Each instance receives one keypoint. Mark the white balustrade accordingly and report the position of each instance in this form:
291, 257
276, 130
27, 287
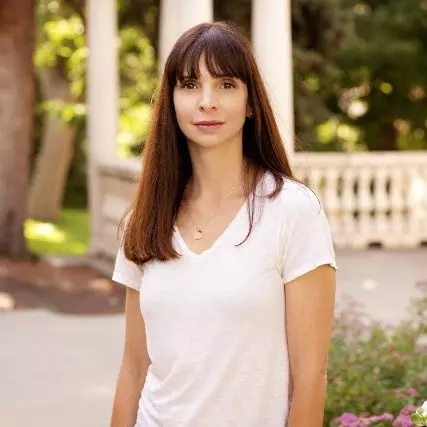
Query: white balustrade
370, 198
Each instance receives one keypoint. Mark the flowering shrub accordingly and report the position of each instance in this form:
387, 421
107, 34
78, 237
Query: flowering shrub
377, 373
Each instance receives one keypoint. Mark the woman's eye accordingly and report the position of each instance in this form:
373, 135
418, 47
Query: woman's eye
229, 85
193, 85
188, 85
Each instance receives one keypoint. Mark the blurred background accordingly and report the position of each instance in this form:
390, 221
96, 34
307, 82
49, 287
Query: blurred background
348, 84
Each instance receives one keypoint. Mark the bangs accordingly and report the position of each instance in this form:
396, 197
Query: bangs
223, 54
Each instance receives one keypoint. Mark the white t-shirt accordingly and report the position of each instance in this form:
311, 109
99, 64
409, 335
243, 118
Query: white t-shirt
215, 322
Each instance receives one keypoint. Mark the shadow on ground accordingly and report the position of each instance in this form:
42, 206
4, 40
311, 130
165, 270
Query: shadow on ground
67, 290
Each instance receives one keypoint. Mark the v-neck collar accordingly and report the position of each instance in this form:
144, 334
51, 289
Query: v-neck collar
183, 245
188, 252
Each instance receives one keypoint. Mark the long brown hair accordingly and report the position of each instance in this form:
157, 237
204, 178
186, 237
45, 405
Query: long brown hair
167, 167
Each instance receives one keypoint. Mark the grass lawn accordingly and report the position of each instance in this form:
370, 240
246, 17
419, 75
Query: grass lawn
69, 236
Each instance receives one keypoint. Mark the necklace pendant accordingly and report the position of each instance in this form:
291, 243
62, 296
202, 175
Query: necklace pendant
198, 234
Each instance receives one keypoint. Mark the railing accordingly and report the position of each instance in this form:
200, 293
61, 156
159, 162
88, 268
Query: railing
370, 198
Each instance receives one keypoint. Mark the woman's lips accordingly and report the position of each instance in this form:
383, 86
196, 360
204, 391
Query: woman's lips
209, 126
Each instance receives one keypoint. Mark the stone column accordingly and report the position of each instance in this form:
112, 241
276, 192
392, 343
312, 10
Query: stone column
102, 100
170, 11
176, 16
272, 40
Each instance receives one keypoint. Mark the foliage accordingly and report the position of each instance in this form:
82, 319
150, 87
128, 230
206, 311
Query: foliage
62, 45
138, 79
382, 84
70, 236
377, 369
320, 30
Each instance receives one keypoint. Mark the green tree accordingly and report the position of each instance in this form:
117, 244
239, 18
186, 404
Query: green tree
382, 84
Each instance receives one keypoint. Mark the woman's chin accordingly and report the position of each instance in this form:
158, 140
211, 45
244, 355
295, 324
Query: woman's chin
208, 141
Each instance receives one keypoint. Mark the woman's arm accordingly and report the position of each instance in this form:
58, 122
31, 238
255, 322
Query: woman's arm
134, 365
309, 312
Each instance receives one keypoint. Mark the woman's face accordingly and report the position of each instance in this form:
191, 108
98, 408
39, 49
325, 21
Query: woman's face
211, 111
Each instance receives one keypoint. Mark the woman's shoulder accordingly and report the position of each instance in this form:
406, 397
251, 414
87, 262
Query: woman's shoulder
294, 197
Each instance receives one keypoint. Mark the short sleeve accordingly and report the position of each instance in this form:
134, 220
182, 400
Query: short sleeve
127, 272
305, 237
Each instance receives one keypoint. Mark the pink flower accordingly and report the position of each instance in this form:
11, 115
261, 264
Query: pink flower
411, 391
345, 419
402, 421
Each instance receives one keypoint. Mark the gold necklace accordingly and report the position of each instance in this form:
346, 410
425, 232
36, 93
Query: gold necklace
198, 231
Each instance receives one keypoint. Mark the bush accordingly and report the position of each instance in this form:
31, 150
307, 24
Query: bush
375, 370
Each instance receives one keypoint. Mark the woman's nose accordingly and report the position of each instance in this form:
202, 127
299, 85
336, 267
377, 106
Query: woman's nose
207, 99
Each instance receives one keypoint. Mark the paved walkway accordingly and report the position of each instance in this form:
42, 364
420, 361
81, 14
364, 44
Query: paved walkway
57, 371
383, 281
60, 370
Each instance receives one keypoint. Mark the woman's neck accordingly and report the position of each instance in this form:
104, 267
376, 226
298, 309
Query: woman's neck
215, 173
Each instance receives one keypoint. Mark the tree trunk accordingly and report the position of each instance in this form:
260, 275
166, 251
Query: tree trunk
16, 120
56, 153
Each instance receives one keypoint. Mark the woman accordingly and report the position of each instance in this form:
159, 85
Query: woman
227, 259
